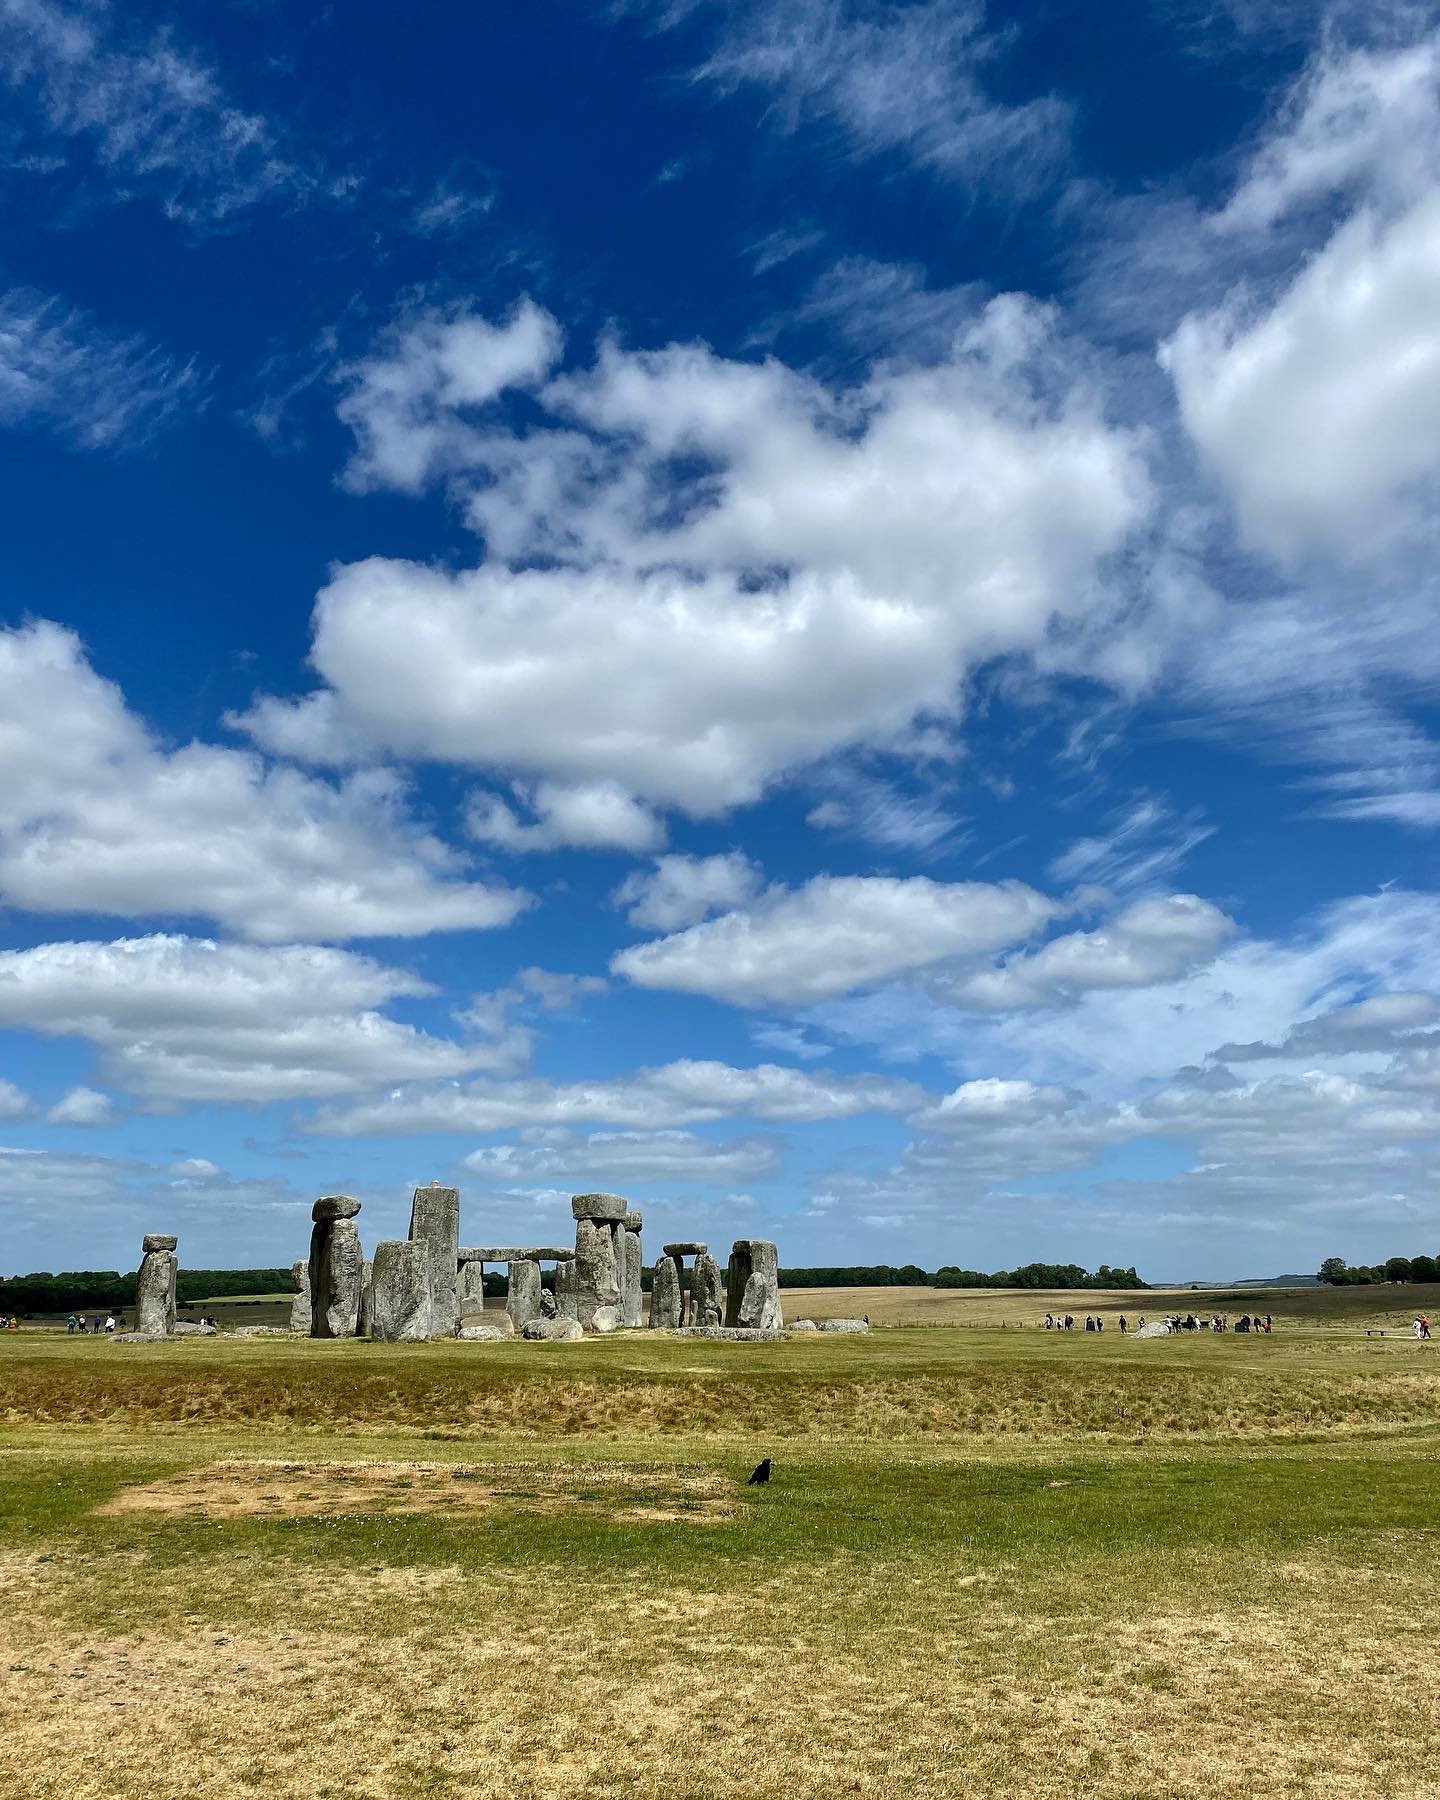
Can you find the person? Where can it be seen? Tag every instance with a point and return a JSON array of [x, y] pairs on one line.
[[1089, 1322], [1140, 1323], [1049, 1322], [1123, 1326], [110, 1322], [70, 1324], [1268, 1322], [1099, 1321], [1425, 1325]]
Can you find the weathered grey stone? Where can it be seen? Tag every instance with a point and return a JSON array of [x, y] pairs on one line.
[[337, 1278], [548, 1307], [606, 1319], [335, 1206], [470, 1288], [435, 1221], [155, 1291], [752, 1286], [191, 1328], [685, 1249], [400, 1291], [522, 1303], [248, 1331], [802, 1325], [158, 1240], [554, 1331], [849, 1327], [707, 1292], [567, 1294], [488, 1333], [732, 1334], [366, 1315], [597, 1280], [632, 1295], [599, 1206], [633, 1221], [514, 1253], [665, 1294], [300, 1305]]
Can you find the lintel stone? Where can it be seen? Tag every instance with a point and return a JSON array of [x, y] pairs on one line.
[[507, 1253], [610, 1207], [159, 1240], [334, 1206], [696, 1249]]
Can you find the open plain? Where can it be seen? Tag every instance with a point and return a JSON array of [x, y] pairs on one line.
[[991, 1561]]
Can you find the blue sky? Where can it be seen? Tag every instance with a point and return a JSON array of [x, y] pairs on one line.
[[818, 613]]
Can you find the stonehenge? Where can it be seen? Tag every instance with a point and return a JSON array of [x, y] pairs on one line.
[[427, 1285], [435, 1221], [300, 1305], [155, 1285], [337, 1268], [752, 1286], [402, 1291]]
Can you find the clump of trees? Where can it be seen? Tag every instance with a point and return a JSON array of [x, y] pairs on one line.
[[105, 1290], [1040, 1275], [1336, 1272], [1033, 1275]]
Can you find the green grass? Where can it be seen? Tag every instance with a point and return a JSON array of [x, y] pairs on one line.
[[989, 1563]]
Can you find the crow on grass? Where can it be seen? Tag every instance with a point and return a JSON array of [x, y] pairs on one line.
[[761, 1475]]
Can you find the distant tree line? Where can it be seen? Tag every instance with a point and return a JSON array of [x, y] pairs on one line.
[[1039, 1275], [1338, 1273], [101, 1290], [1033, 1275]]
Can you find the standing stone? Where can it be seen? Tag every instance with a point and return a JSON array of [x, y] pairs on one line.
[[470, 1291], [665, 1294], [300, 1305], [567, 1295], [337, 1268], [707, 1292], [632, 1303], [155, 1285], [367, 1299], [752, 1286], [435, 1220], [523, 1300], [597, 1281], [400, 1291]]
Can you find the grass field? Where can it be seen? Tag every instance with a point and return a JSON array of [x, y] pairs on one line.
[[991, 1562]]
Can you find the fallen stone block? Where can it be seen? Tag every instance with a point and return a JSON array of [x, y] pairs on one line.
[[845, 1326], [606, 1319], [488, 1333], [554, 1331], [802, 1325], [732, 1334]]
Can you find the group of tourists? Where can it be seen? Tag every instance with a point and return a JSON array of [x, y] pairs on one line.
[[1420, 1326], [1218, 1322], [1093, 1322], [78, 1322]]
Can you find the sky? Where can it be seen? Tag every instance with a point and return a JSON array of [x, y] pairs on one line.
[[817, 612]]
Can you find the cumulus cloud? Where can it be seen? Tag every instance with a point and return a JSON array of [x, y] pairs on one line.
[[83, 1106], [96, 816], [180, 1019], [798, 947], [596, 815], [627, 1156], [831, 569], [682, 890], [14, 1102], [1148, 943], [685, 1092]]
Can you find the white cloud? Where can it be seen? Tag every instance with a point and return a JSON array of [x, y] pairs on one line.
[[839, 567], [682, 890], [901, 80], [187, 1019], [408, 403], [97, 817], [597, 815], [1144, 842], [14, 1102], [835, 934], [1151, 942], [83, 1106], [627, 1156], [686, 1092], [1321, 415], [93, 387], [153, 115]]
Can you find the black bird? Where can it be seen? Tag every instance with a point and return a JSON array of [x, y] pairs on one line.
[[761, 1475]]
